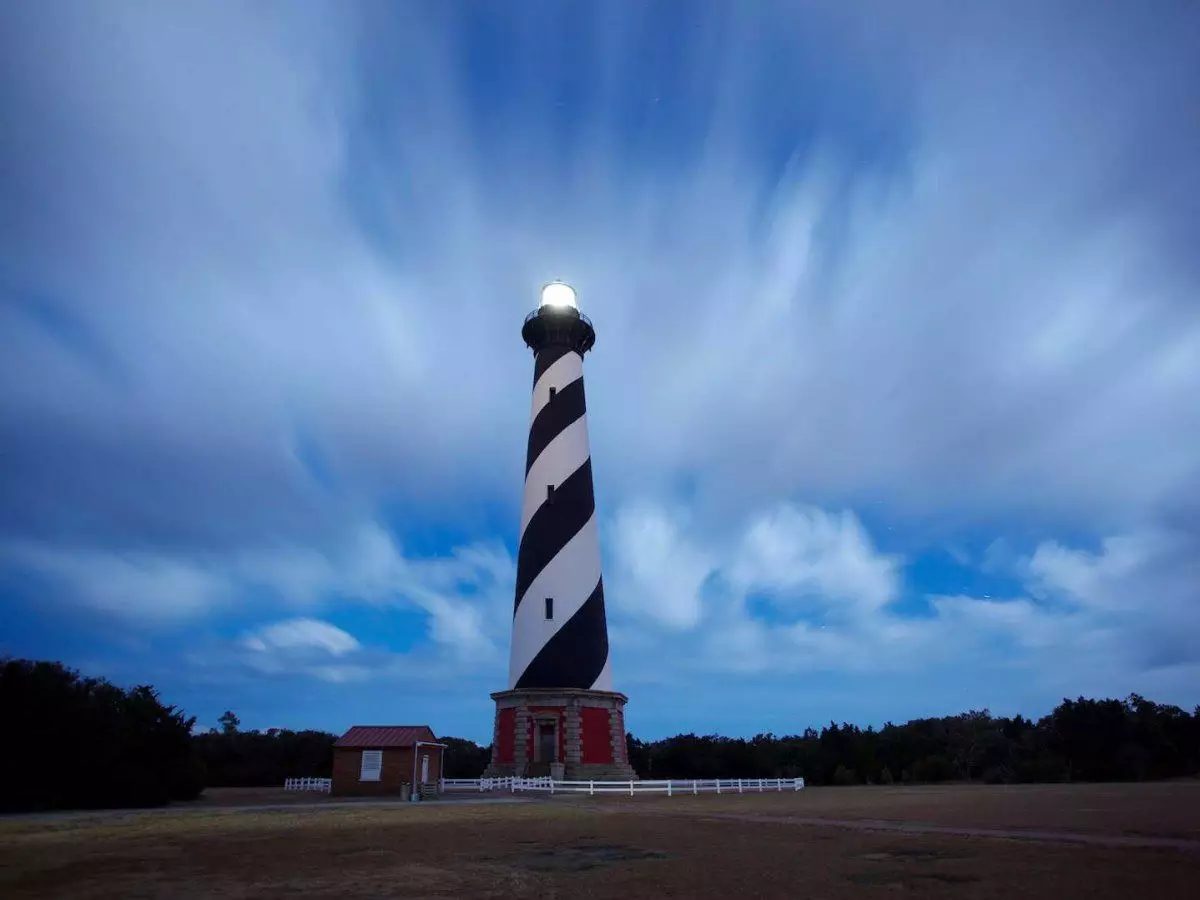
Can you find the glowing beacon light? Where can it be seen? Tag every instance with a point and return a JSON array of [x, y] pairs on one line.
[[559, 295]]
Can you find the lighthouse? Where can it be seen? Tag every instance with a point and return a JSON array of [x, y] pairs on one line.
[[559, 715]]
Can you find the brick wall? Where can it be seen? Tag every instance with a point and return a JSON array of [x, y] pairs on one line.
[[597, 742], [591, 732], [397, 770], [506, 734]]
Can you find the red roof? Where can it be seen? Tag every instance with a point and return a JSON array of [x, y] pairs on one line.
[[372, 737]]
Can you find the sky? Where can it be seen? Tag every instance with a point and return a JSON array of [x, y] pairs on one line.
[[893, 405]]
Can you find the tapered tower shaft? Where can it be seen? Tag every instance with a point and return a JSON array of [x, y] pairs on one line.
[[560, 633]]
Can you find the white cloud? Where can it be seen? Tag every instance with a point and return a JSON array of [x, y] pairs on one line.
[[136, 585], [1099, 579], [1083, 616], [657, 572], [463, 594], [803, 553], [808, 562], [466, 595], [301, 634], [1142, 588]]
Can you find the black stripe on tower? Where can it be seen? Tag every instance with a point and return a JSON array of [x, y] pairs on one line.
[[553, 526], [568, 406], [546, 358], [578, 652]]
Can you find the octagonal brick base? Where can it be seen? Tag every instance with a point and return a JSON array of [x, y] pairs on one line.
[[589, 729]]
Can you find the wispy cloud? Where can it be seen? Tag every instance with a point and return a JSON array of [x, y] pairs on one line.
[[305, 634], [264, 266], [464, 596]]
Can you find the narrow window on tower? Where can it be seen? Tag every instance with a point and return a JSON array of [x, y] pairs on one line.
[[549, 607], [553, 391], [549, 493]]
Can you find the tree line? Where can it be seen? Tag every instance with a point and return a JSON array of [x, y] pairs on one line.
[[78, 742], [1081, 740]]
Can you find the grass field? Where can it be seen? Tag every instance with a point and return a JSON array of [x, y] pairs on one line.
[[822, 842]]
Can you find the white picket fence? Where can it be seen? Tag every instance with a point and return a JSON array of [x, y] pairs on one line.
[[308, 784], [670, 787], [490, 784]]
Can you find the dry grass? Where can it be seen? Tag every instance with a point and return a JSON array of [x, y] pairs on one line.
[[1164, 809], [613, 848]]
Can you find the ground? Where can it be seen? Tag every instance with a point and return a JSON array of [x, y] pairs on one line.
[[1047, 841]]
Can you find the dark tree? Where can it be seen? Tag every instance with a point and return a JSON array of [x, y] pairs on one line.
[[464, 759], [83, 742], [236, 758]]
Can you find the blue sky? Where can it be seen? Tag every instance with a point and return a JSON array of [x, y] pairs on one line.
[[893, 404]]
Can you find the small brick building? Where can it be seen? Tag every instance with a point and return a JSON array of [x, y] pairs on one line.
[[376, 760]]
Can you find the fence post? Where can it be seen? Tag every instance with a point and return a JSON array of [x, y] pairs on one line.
[[592, 787], [630, 787], [739, 785], [718, 785], [668, 787], [694, 791]]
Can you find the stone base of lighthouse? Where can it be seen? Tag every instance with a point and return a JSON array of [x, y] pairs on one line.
[[538, 730]]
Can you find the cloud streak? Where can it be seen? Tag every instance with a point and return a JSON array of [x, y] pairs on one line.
[[865, 285]]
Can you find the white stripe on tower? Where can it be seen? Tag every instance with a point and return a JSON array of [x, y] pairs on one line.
[[554, 466], [560, 636], [566, 369]]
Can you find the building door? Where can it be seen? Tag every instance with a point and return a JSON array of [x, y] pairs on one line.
[[547, 743], [424, 768]]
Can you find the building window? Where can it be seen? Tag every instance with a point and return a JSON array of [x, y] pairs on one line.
[[372, 765], [553, 391], [549, 607], [549, 493]]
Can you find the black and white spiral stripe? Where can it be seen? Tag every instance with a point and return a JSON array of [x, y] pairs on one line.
[[559, 556]]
